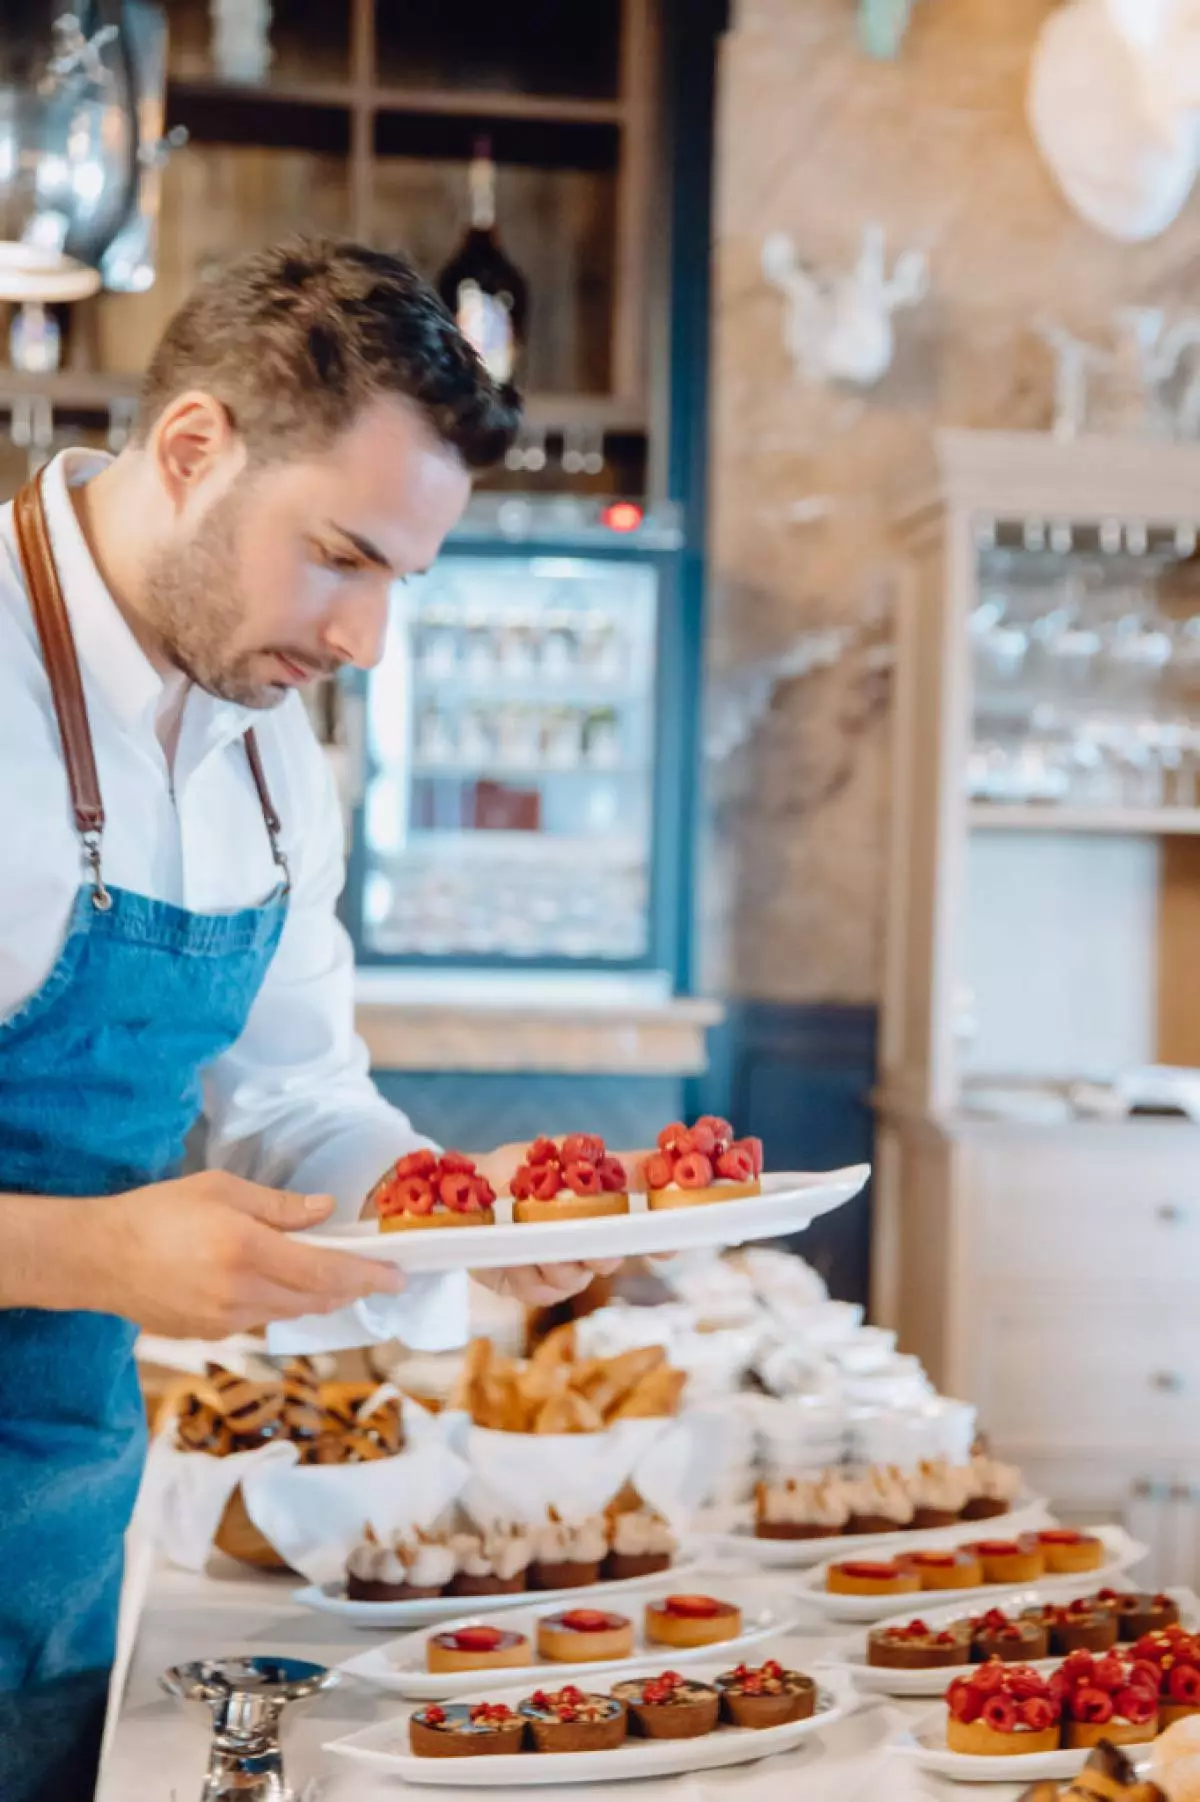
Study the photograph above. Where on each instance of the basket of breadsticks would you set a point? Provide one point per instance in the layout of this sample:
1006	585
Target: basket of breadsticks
256	1459
556	1433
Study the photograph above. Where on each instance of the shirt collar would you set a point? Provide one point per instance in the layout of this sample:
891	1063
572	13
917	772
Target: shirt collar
118	668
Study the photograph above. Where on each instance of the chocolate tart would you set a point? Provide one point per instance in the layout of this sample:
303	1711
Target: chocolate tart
362	1589
768	1696
932	1518
1075	1627
1138	1614
691	1621
918	1647
768	1529
994	1635
563	1573
568	1720
669	1707
477	1649
462	1730
584	1636
622	1567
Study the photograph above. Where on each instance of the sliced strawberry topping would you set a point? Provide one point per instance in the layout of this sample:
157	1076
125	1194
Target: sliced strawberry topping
693	1171
590	1620
694	1608
477	1639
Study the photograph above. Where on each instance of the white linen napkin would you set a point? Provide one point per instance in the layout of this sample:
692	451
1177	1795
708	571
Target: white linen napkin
432	1315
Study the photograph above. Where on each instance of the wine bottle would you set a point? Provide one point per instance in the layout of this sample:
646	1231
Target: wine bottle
481	286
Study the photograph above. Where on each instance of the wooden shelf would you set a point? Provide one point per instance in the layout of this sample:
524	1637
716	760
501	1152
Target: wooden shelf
1169	821
459	103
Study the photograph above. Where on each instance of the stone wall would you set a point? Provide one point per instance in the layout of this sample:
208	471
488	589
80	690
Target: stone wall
816	139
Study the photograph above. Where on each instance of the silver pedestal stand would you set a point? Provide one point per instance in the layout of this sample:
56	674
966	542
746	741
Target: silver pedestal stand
247	1696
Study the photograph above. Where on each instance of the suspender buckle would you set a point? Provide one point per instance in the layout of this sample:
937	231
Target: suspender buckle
101	899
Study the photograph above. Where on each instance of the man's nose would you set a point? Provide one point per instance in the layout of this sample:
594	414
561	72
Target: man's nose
357	631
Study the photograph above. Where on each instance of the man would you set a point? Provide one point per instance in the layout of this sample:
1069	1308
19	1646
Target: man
170	858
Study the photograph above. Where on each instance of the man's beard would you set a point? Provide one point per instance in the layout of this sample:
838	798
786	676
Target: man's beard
195	603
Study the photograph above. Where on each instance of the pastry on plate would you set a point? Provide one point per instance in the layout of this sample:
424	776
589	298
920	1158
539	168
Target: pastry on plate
1068	1552
477	1648
494	1563
691	1621
398	1570
466	1730
700	1164
1010	1560
1175	1655
951	1568
1107	1698
768	1695
576	1180
423	1190
1078	1626
992	1488
584	1636
880	1502
568	1554
570	1720
641	1543
1138	1613
1002	1711
870	1577
939	1492
918	1646
669	1707
996	1635
1107	1776
802	1508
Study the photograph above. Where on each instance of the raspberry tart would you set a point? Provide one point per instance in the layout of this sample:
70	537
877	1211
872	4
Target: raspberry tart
700	1164
870	1577
1002	1711
918	1646
477	1649
952	1568
1109	1698
575	1181
768	1695
570	1720
1010	1560
462	1730
424	1189
1175	1655
584	1636
995	1635
1079	1626
1138	1614
691	1621
1067	1552
669	1707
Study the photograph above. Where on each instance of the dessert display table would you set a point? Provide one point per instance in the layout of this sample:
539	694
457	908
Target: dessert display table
159	1750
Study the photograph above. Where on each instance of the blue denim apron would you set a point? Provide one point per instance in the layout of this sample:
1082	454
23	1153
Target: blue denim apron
99	1086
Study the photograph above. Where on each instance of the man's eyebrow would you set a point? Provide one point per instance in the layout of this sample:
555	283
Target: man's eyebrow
370	552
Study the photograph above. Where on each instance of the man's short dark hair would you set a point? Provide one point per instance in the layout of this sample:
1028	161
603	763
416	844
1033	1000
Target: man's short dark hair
296	339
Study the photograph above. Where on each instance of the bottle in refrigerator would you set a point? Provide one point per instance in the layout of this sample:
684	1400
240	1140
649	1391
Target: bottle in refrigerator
481	285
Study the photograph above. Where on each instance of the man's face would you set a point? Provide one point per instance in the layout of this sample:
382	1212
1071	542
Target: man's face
284	573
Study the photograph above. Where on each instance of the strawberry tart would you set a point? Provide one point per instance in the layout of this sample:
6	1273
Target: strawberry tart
700	1164
577	1180
425	1189
476	1648
584	1636
691	1621
1068	1552
1002	1710
951	1568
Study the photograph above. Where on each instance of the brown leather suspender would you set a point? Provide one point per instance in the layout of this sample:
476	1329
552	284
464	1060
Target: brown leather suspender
66	687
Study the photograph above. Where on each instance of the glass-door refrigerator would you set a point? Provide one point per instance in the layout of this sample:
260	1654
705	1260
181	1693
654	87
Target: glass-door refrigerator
526	749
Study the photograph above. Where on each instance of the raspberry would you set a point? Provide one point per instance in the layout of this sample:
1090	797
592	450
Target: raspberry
720	1129
542	1151
693	1171
990	1677
772	1668
704	1139
1135	1705
1078	1666
1000	1714
755	1149
656	1171
457	1163
1109	1675
582	1148
991	1622
1024	1683
434	1717
521	1186
482	1192
1183	1685
673	1137
1092	1705
416	1163
964	1701
547	1181
612	1176
456	1193
412	1196
1145	1676
583	1179
736	1166
1038	1713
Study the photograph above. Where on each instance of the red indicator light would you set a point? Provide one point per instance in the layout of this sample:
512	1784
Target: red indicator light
622	516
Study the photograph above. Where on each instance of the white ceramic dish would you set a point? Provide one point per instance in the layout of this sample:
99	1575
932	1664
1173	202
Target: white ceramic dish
801	1554
789	1201
384	1747
924	1744
331	1598
400	1667
1123	1552
874	1679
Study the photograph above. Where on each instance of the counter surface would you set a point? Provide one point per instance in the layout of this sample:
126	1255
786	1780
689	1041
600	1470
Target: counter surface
160	1749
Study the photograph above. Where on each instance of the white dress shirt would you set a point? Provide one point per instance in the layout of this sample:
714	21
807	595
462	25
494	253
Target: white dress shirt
291	1104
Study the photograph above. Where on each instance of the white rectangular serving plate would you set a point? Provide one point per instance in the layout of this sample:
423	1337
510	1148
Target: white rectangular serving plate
400	1667
789	1201
1029	1513
331	1598
384	1747
874	1679
1123	1552
924	1744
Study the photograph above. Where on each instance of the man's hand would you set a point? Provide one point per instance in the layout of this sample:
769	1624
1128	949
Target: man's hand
203	1257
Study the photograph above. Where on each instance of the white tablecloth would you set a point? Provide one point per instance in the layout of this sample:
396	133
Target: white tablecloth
159	1750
